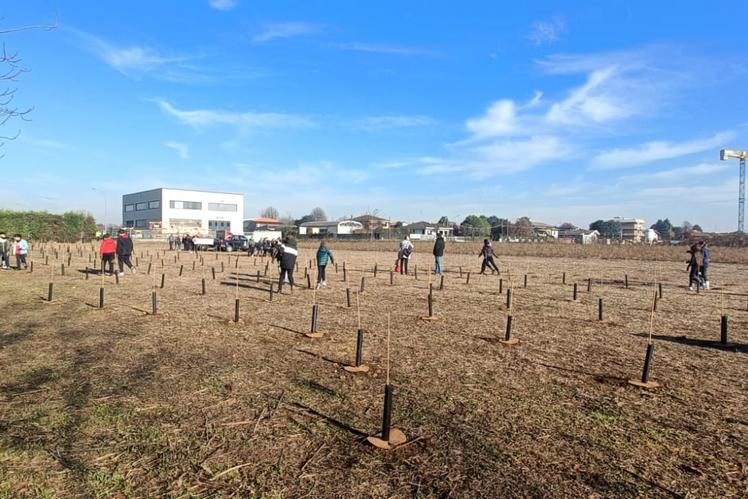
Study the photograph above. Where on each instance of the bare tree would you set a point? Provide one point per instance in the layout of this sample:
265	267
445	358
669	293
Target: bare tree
10	70
270	212
318	215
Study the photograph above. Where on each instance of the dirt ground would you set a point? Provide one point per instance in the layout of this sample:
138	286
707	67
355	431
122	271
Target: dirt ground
116	402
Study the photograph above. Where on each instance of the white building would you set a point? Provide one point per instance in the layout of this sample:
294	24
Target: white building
632	229
334	228
427	231
174	211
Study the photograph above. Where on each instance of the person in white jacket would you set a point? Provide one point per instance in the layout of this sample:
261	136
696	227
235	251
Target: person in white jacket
20	249
406	249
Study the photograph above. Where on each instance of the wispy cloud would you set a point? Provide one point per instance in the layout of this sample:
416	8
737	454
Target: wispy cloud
396	121
650	152
678	174
545	32
44	143
182	150
246	120
224	5
138	60
383	48
286	30
515	135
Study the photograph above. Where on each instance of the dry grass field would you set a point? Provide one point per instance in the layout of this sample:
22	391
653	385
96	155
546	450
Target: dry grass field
116	402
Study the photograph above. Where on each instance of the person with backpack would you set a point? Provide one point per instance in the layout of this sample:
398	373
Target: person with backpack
20	248
487	253
706	257
286	253
406	249
324	255
4	249
107	250
124	251
438	253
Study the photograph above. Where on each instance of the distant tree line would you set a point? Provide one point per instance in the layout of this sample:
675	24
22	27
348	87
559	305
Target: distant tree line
43	226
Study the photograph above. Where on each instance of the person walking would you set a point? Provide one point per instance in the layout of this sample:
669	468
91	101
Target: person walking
107	250
487	253
438	253
406	249
324	255
20	249
706	257
287	254
695	262
171	239
4	249
124	251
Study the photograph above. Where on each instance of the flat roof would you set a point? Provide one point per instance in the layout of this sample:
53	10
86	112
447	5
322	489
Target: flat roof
182	189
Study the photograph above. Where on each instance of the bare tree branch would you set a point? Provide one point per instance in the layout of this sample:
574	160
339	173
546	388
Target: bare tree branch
11	70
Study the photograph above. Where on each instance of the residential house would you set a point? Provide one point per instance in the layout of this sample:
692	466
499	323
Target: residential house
332	228
426	230
544	230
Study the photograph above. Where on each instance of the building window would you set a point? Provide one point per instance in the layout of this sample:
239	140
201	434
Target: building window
141	206
154	205
185	222
222	207
186	205
218	224
129	223
141	223
129	207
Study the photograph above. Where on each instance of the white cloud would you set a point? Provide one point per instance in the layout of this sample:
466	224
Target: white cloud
128	60
392	121
593	102
182	150
500	119
501	156
546	32
286	30
44	143
383	48
209	117
650	152
678	174
224	5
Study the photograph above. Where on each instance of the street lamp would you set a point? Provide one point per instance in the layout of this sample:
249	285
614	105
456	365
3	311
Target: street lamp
724	155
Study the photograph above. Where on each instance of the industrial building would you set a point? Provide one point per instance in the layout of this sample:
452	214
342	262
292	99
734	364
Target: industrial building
172	211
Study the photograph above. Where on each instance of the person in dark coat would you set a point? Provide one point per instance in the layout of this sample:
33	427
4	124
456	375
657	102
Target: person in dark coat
487	253
438	253
124	251
695	262
287	254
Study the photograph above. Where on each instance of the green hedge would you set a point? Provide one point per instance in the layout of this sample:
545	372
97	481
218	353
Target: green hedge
42	226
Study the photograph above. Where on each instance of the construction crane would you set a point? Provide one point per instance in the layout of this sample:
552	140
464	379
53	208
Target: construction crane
724	155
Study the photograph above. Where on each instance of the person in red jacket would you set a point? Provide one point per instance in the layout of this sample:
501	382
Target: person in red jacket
107	251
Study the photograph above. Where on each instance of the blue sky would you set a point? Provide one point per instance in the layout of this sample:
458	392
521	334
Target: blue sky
562	111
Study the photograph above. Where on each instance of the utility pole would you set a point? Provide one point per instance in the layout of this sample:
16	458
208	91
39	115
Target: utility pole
724	155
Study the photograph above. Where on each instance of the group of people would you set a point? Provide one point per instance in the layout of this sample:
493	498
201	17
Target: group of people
286	253
698	265
406	250
122	248
186	242
18	247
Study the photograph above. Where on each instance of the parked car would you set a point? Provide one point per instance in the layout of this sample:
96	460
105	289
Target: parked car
234	243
